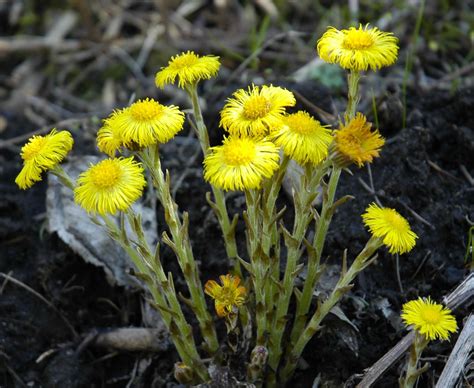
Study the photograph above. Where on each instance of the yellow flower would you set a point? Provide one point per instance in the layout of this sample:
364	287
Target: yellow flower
227	297
302	138
110	185
356	143
189	68
431	319
257	111
42	153
390	226
147	122
241	163
109	136
358	48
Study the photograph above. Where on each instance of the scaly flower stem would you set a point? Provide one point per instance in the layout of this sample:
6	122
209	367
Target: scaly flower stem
220	208
203	134
342	286
412	372
314	261
181	245
161	290
63	176
304	196
258	262
270	195
353	96
270	237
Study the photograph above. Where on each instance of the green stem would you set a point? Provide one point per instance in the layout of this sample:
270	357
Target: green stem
314	261
342	286
270	195
202	132
163	293
63	176
258	264
303	197
412	371
353	96
271	238
220	208
181	245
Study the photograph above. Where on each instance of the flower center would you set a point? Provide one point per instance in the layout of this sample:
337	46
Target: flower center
227	296
301	124
105	174
357	40
239	152
396	221
353	141
431	316
256	107
145	110
185	60
33	148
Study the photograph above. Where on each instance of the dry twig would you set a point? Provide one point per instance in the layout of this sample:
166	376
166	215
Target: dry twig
462	294
42	298
459	356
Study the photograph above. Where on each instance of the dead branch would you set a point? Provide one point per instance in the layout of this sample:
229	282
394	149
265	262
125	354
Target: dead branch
459	356
461	295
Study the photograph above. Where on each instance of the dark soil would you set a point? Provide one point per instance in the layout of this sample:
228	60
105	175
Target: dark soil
419	171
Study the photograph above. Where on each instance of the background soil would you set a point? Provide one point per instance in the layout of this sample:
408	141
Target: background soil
420	171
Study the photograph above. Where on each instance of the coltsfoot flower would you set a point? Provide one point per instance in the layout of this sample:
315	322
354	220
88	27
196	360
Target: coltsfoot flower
302	138
429	318
241	163
189	68
357	143
228	297
109	186
146	122
109	136
358	48
390	226
42	153
256	111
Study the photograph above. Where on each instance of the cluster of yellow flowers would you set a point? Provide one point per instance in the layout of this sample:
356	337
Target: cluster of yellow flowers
257	125
258	128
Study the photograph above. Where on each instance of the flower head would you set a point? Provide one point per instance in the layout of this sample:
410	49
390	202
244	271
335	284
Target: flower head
241	163
189	68
358	48
109	136
256	111
110	185
357	143
42	153
429	318
390	226
146	122
227	297
302	138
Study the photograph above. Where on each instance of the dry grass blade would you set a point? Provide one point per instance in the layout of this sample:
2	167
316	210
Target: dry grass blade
42	298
